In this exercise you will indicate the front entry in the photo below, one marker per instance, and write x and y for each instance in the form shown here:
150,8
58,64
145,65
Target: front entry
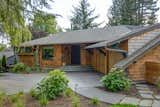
75,54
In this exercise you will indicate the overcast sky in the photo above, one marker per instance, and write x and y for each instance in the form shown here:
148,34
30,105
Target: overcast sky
64,8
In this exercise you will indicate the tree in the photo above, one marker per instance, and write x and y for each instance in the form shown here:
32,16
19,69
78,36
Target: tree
83,16
14,13
43,24
2,47
133,12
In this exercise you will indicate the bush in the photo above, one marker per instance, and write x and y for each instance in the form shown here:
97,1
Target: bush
36,69
4,63
94,101
75,101
68,92
32,92
20,67
43,101
116,80
2,98
124,105
53,85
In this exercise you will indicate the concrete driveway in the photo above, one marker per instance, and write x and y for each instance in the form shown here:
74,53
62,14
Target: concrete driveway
13,83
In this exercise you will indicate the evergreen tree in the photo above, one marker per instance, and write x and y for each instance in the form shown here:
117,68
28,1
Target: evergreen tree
133,12
83,16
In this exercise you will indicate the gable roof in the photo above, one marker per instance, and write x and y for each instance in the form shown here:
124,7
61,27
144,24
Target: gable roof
126,36
84,36
123,64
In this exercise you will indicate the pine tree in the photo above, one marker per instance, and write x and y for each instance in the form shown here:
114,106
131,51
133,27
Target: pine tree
83,16
122,12
148,9
133,12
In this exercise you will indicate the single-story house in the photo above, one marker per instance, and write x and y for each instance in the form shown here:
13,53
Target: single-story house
127,47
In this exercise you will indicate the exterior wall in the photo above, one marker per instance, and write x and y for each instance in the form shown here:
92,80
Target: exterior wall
66,54
152,72
27,59
114,57
85,55
137,71
57,60
99,60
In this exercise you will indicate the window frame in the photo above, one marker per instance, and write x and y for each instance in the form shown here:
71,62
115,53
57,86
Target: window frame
47,48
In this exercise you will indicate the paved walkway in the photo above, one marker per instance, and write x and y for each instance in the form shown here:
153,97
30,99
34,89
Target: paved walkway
147,97
84,83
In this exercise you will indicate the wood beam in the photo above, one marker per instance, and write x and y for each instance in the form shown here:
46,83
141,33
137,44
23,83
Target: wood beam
116,50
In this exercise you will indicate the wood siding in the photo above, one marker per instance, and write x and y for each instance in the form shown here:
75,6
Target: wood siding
27,59
57,60
114,57
137,71
66,54
152,72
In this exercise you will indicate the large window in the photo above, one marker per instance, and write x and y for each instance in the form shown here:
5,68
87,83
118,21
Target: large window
26,50
47,53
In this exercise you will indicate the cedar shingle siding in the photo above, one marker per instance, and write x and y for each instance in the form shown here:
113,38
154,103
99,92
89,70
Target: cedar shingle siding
137,70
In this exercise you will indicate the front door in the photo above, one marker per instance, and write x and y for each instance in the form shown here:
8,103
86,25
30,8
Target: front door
75,55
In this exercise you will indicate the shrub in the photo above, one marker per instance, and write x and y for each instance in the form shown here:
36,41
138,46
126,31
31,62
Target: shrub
1,68
4,61
19,67
2,98
43,101
116,80
94,101
68,92
36,68
123,105
16,97
53,85
19,103
75,101
32,92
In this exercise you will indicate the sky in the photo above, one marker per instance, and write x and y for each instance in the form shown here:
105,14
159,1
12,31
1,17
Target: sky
65,7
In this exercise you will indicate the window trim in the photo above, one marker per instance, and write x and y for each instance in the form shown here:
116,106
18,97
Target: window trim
47,47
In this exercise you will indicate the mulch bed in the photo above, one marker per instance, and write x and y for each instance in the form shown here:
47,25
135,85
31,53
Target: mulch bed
132,92
59,102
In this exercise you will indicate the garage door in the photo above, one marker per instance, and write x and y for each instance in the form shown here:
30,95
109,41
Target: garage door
152,72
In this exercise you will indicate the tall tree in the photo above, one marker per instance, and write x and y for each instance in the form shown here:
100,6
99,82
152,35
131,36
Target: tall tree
13,14
133,12
45,22
83,16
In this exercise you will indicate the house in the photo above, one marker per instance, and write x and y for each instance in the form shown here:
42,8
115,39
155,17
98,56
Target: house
126,47
10,57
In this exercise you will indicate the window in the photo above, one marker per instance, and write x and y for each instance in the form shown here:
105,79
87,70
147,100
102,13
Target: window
47,53
26,50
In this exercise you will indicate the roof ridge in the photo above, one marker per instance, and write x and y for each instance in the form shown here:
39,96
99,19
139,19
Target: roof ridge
150,44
